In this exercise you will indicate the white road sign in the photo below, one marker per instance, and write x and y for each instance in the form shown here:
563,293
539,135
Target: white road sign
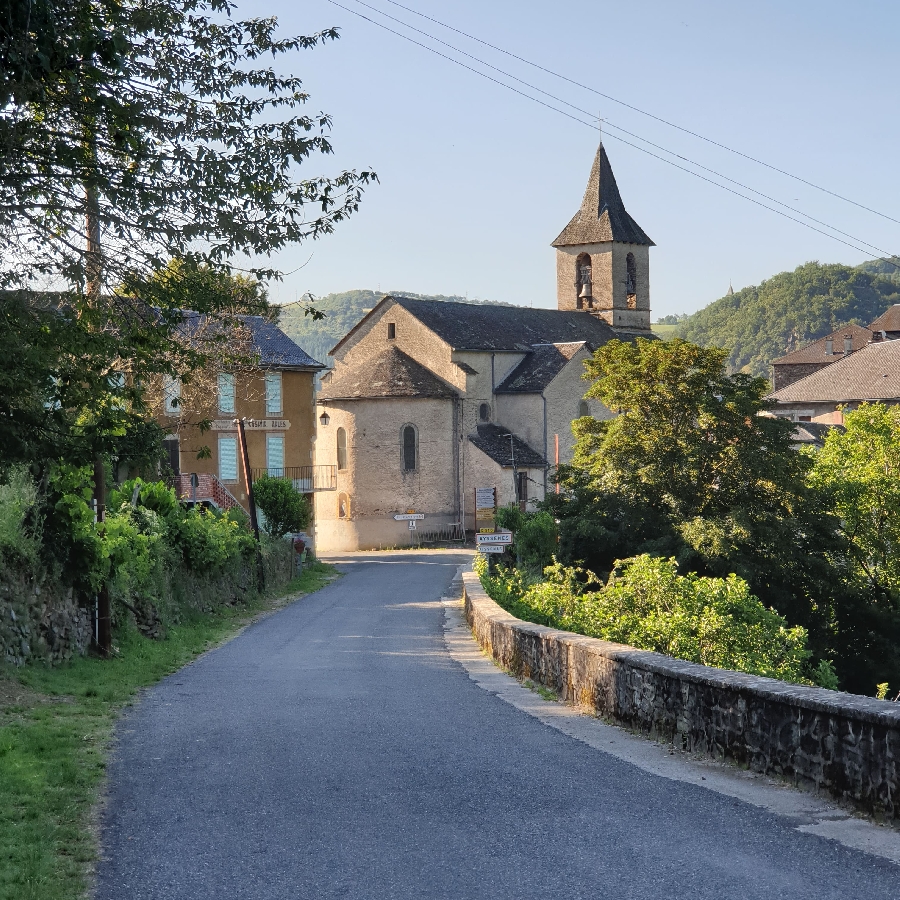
499,537
491,548
409,517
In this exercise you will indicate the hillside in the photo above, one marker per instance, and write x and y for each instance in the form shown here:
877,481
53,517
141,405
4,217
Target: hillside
761,323
342,312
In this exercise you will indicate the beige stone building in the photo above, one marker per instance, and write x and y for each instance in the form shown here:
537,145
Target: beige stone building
278,398
429,401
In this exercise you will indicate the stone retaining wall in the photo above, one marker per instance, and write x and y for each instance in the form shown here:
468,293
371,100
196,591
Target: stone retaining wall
842,744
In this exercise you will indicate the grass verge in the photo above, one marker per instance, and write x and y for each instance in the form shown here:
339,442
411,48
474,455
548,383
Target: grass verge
55,731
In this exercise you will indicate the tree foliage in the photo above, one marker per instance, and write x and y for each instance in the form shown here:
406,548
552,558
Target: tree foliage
692,468
285,509
761,323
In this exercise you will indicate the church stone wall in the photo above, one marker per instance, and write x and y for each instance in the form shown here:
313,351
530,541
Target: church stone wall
374,481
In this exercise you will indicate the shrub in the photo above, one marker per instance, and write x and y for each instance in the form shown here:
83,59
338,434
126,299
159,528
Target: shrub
18,498
534,535
647,604
284,508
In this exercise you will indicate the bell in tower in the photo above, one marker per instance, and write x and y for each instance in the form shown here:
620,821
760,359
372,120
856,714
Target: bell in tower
603,257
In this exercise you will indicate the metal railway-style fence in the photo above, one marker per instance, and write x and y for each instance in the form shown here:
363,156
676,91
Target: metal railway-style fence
445,533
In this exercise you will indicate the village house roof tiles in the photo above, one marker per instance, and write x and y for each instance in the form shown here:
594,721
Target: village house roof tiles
889,320
539,368
389,373
494,440
467,326
275,348
602,216
872,373
816,351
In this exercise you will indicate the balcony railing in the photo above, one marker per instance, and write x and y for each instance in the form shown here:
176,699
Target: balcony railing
305,479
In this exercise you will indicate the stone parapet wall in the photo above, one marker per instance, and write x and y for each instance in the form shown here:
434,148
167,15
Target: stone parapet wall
843,744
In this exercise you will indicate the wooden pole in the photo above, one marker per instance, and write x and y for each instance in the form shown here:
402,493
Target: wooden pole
556,442
251,502
104,613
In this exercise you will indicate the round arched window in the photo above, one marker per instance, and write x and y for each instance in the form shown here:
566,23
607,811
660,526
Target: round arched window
409,448
484,412
341,449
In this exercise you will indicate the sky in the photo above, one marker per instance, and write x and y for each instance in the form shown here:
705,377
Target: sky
476,181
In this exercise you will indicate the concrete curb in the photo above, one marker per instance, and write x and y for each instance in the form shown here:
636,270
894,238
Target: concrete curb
843,744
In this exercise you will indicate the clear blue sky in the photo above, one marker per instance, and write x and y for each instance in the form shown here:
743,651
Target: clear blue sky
477,181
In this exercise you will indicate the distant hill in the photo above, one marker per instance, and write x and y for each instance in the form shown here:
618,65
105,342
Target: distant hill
763,322
342,312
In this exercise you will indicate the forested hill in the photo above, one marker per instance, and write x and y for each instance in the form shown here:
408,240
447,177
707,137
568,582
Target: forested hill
342,312
790,309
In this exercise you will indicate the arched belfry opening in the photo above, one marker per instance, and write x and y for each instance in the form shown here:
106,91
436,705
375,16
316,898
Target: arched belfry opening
583,282
631,281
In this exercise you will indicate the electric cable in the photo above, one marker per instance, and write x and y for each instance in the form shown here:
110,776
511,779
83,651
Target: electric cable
854,246
638,137
644,112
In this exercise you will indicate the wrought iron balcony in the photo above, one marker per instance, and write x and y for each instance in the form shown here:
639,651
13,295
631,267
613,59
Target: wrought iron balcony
305,479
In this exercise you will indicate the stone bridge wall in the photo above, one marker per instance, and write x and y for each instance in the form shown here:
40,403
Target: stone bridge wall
842,744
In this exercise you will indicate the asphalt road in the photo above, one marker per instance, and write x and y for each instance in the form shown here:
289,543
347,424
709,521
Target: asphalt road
335,750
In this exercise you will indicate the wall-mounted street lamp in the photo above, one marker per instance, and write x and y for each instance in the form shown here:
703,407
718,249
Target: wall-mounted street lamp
325,418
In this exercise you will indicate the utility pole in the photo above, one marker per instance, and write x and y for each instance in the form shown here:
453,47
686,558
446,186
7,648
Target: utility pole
254,520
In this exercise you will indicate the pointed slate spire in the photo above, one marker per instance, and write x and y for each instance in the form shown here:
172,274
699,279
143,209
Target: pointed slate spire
602,216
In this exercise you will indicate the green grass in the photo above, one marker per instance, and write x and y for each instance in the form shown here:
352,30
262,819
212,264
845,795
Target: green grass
664,331
55,731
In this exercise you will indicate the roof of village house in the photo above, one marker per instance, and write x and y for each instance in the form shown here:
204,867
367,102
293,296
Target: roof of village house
602,216
539,368
494,441
815,352
275,348
872,373
814,433
467,326
889,320
389,373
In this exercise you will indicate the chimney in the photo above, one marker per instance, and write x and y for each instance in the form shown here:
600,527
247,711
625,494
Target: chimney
848,344
829,347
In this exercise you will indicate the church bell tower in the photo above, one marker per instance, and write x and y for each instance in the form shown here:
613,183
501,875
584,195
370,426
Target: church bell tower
603,257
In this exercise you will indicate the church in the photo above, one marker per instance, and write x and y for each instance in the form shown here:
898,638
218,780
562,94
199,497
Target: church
430,402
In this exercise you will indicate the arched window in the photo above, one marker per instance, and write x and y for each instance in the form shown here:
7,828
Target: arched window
341,449
343,506
409,448
583,283
631,281
484,412
583,409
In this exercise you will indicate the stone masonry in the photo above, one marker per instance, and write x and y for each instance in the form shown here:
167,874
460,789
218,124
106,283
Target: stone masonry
845,745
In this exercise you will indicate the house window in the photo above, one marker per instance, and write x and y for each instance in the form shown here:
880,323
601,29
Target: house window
343,506
226,392
392,330
173,453
484,412
171,395
804,418
341,449
583,409
409,441
273,393
228,459
522,487
275,455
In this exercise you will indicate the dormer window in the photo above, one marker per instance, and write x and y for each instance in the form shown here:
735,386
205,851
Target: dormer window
392,330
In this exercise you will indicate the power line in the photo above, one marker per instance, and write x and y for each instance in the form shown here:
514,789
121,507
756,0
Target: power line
623,130
650,115
853,246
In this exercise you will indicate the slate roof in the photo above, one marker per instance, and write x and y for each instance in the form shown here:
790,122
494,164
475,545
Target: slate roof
815,352
493,440
888,320
814,433
539,368
872,373
276,349
602,216
466,326
390,373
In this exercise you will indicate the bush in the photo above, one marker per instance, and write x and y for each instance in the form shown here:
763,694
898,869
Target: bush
18,498
534,535
647,604
284,508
